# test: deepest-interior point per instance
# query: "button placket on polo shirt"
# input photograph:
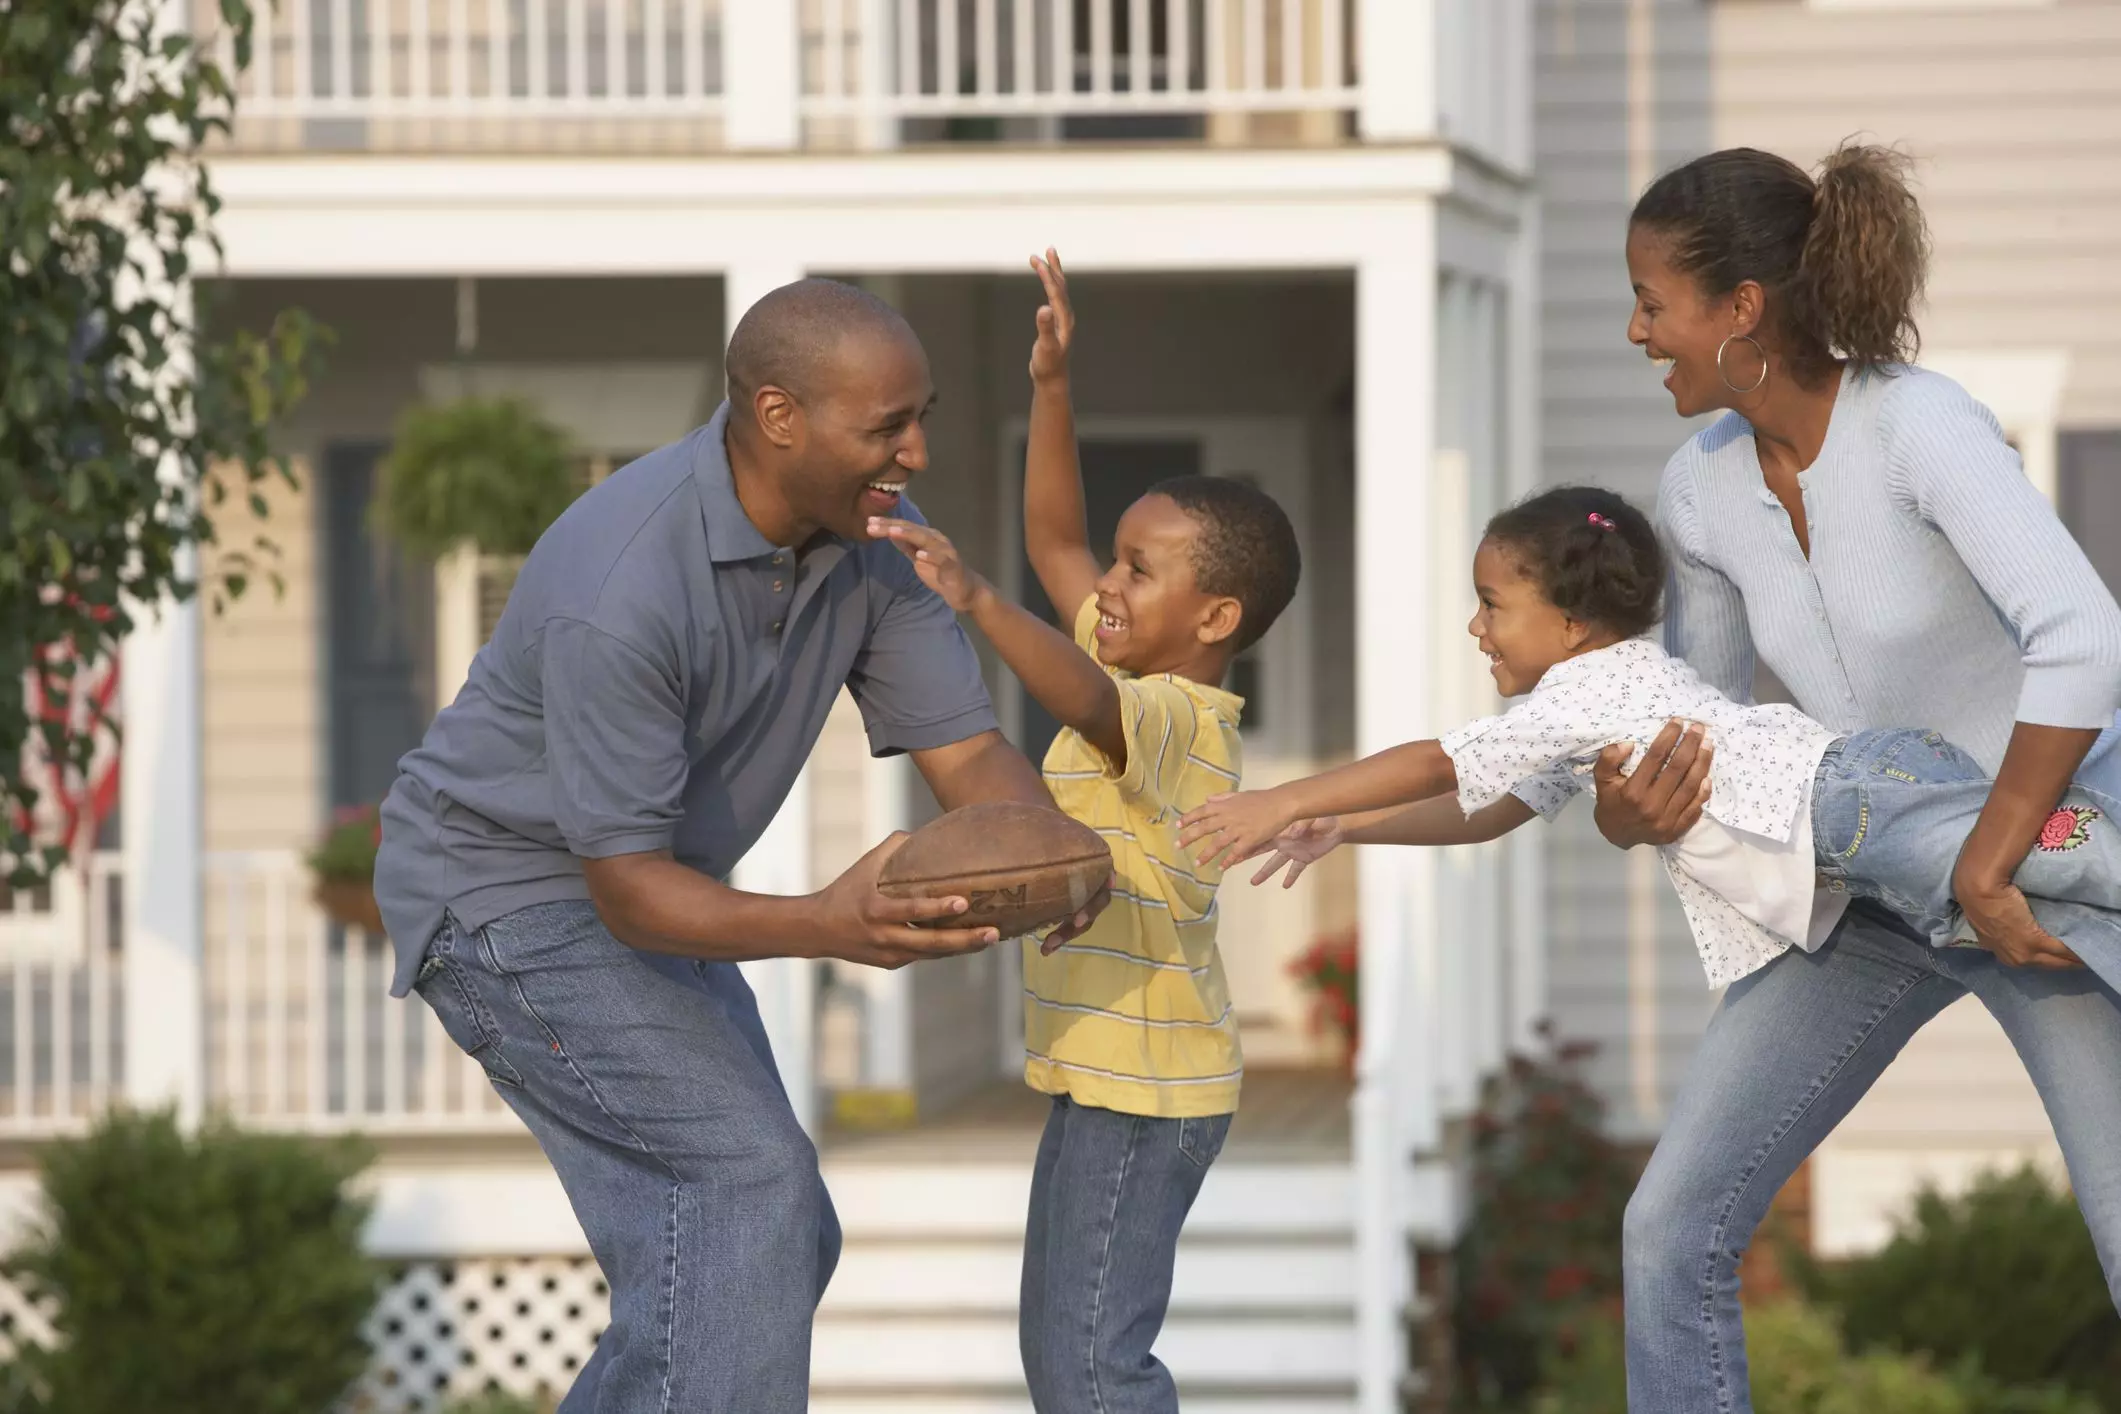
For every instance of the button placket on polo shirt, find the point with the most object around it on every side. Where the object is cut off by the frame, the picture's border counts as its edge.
(780, 591)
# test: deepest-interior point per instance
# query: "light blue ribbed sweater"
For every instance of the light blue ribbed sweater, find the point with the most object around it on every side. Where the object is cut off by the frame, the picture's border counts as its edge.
(1942, 591)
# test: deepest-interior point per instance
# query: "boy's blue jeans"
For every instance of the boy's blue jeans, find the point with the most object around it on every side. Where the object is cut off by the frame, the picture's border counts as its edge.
(1109, 1194)
(1891, 809)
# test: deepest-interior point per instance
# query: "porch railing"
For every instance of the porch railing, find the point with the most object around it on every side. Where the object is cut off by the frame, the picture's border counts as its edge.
(298, 1032)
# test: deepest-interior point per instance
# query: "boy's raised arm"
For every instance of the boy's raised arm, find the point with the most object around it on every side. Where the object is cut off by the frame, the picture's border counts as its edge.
(1056, 528)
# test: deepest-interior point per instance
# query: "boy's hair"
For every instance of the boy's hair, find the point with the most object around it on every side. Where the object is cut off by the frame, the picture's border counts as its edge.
(1246, 548)
(1594, 556)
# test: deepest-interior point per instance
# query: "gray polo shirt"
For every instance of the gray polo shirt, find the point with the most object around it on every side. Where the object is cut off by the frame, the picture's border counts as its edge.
(657, 680)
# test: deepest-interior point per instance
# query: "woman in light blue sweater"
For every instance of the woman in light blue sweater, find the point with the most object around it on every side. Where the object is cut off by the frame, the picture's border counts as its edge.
(1861, 528)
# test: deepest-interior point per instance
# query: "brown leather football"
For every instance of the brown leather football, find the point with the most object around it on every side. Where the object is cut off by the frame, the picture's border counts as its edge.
(1019, 866)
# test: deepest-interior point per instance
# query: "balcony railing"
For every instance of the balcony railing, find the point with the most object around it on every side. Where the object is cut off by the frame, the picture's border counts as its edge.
(567, 74)
(1059, 58)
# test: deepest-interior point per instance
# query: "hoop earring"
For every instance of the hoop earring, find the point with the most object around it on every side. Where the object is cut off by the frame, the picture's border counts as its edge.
(1741, 392)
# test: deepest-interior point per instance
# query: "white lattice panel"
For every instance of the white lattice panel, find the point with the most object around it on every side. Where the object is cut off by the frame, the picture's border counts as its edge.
(24, 1320)
(444, 1330)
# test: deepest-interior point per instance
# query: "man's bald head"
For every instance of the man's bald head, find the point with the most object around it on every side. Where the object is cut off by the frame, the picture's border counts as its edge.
(788, 339)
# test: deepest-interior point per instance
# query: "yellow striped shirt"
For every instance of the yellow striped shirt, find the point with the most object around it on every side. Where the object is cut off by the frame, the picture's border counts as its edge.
(1135, 1015)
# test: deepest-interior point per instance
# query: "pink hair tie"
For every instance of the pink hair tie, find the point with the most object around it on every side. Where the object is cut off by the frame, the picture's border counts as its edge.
(1600, 521)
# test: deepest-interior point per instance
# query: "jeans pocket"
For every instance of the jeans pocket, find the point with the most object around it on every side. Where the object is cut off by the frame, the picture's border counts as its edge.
(446, 986)
(1200, 1138)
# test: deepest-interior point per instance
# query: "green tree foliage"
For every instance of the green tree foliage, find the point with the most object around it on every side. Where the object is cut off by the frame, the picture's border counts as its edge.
(121, 433)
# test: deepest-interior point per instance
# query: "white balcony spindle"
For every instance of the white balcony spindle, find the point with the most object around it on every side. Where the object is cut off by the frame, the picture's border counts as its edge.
(1178, 38)
(263, 60)
(340, 46)
(1101, 45)
(1215, 47)
(655, 21)
(459, 52)
(946, 55)
(419, 55)
(1141, 64)
(1063, 49)
(577, 45)
(1023, 65)
(909, 48)
(1332, 48)
(986, 56)
(692, 22)
(537, 72)
(305, 56)
(1255, 46)
(377, 15)
(499, 36)
(615, 31)
(1295, 14)
(832, 62)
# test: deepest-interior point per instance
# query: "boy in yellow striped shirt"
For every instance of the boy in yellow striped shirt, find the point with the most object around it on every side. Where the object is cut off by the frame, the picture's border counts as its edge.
(1129, 1028)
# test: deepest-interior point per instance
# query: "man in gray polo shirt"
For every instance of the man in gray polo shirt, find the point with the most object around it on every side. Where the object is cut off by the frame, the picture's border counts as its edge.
(554, 853)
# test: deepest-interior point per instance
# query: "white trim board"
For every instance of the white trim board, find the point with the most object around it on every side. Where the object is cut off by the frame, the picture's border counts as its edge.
(894, 213)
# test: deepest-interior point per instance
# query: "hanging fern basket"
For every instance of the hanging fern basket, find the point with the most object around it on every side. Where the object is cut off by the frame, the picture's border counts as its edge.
(489, 473)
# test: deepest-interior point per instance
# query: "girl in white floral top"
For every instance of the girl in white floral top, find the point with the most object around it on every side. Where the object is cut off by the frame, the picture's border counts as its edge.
(1798, 820)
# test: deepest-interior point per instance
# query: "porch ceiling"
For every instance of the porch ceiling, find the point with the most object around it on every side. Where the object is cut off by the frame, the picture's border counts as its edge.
(1158, 209)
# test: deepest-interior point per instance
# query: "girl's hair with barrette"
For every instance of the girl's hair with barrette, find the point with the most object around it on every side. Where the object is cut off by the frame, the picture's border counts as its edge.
(1594, 556)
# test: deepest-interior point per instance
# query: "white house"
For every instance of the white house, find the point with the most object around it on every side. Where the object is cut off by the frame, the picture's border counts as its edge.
(1304, 239)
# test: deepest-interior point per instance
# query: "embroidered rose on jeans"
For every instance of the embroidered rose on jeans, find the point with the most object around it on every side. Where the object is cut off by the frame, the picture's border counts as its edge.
(2067, 828)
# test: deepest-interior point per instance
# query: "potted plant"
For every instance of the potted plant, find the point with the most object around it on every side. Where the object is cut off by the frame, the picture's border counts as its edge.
(487, 473)
(1328, 969)
(344, 865)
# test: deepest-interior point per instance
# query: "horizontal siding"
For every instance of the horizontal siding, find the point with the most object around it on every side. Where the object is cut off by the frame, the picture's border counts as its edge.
(2014, 116)
(260, 661)
(1605, 419)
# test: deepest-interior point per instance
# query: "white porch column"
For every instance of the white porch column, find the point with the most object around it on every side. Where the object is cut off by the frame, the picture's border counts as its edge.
(780, 862)
(162, 824)
(887, 1046)
(1525, 849)
(1397, 69)
(1395, 1096)
(161, 811)
(761, 74)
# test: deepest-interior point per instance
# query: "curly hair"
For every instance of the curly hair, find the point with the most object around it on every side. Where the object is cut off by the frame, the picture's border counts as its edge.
(1594, 556)
(1246, 549)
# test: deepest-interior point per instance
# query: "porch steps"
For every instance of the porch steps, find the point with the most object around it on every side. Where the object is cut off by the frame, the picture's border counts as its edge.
(922, 1313)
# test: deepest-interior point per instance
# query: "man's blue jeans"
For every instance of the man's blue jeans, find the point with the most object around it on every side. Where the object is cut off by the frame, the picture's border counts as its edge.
(648, 1081)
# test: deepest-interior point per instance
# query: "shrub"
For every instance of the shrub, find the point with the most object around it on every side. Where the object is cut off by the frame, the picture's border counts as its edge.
(216, 1274)
(1800, 1366)
(1540, 1255)
(499, 1402)
(2004, 1275)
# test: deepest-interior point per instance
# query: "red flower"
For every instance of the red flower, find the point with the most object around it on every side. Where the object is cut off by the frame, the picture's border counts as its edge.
(2059, 827)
